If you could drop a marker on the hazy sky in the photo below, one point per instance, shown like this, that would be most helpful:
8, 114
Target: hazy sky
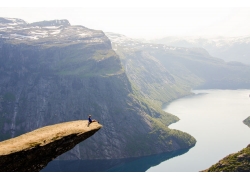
141, 19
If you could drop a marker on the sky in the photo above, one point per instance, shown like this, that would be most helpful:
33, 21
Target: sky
146, 19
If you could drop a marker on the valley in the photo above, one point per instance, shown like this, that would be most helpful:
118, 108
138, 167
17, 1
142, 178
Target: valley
53, 72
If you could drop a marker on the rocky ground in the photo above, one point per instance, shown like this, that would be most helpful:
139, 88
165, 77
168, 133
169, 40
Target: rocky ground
32, 151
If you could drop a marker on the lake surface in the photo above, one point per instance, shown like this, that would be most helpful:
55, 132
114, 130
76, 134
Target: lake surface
214, 118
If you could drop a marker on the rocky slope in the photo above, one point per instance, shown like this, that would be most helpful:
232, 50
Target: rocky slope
236, 162
32, 151
52, 72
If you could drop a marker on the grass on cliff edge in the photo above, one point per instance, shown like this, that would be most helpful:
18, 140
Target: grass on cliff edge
160, 120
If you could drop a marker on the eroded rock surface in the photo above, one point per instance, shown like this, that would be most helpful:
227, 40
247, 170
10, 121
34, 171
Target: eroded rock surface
34, 150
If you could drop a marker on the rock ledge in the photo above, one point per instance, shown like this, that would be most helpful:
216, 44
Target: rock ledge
34, 150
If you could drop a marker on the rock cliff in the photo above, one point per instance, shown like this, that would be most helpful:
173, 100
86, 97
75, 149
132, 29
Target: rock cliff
52, 71
34, 150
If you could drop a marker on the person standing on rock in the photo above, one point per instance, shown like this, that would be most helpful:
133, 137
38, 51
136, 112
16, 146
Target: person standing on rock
90, 120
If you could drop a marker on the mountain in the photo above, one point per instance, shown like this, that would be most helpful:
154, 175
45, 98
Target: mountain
235, 49
168, 72
175, 70
52, 72
32, 151
152, 79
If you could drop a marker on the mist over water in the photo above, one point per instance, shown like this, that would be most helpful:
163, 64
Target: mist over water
214, 118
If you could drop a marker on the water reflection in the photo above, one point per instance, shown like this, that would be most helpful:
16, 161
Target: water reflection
119, 165
143, 164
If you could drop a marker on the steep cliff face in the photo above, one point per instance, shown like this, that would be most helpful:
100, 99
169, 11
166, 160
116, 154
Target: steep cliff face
52, 72
34, 150
154, 80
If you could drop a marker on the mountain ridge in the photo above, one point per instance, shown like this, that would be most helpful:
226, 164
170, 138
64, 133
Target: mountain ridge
230, 49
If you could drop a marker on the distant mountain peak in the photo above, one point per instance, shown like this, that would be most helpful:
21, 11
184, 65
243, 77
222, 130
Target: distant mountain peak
62, 22
48, 31
11, 21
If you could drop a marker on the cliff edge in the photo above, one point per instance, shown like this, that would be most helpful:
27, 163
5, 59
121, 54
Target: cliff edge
52, 71
34, 150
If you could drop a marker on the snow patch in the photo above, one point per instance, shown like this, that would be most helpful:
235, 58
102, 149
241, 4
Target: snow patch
20, 37
12, 24
83, 34
52, 27
56, 32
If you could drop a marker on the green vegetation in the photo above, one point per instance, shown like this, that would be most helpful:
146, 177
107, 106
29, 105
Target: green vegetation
160, 121
151, 89
103, 54
247, 121
89, 64
160, 136
237, 162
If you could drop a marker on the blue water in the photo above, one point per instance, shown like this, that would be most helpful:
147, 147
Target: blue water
214, 118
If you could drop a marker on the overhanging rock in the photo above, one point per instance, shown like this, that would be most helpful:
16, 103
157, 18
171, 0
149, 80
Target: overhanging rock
34, 150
